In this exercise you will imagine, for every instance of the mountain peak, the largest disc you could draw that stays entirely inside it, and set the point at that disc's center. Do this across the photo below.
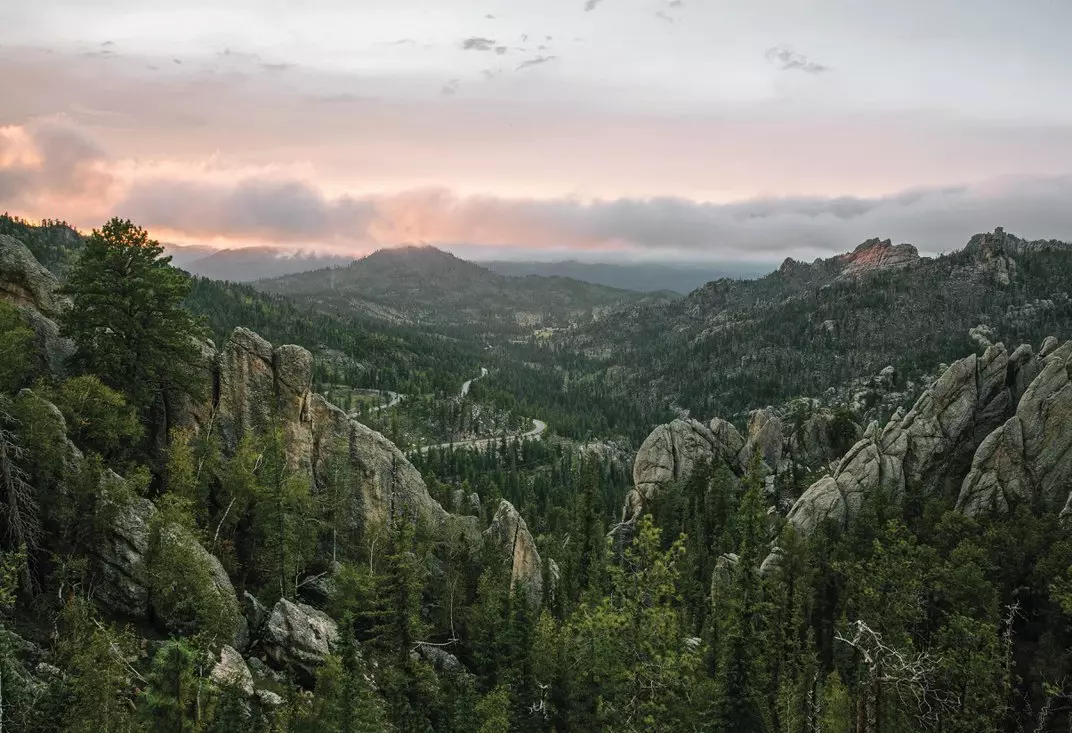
(878, 254)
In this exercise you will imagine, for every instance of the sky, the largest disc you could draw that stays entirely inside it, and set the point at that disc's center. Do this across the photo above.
(694, 130)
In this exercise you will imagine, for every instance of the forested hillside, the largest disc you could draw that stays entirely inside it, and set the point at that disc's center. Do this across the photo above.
(805, 328)
(197, 534)
(428, 286)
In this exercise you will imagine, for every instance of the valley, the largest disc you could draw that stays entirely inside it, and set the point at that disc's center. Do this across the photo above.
(814, 437)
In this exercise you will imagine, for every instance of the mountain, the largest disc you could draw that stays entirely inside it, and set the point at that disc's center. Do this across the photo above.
(424, 285)
(254, 263)
(643, 277)
(232, 550)
(809, 326)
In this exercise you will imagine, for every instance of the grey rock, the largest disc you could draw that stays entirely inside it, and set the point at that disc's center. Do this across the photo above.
(255, 612)
(722, 575)
(231, 671)
(269, 699)
(247, 397)
(441, 659)
(671, 452)
(299, 636)
(982, 336)
(877, 254)
(928, 449)
(765, 435)
(509, 533)
(28, 285)
(25, 281)
(1028, 458)
(120, 551)
(262, 671)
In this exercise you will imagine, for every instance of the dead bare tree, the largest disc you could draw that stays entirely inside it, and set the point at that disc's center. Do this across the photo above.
(18, 506)
(910, 676)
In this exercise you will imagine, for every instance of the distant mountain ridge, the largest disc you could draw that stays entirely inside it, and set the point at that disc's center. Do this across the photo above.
(642, 277)
(807, 326)
(425, 285)
(249, 263)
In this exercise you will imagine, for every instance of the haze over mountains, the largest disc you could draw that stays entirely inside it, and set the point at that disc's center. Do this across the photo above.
(428, 286)
(263, 262)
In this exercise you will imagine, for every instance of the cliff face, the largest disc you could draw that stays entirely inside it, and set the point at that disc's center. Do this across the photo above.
(256, 388)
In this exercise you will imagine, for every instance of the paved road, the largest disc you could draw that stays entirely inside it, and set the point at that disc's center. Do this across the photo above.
(468, 383)
(538, 426)
(395, 398)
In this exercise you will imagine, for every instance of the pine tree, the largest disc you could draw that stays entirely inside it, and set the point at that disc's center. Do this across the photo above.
(128, 322)
(177, 689)
(741, 704)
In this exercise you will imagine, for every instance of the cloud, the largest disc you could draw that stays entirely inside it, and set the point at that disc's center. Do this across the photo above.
(280, 211)
(478, 44)
(50, 159)
(50, 168)
(790, 60)
(591, 5)
(535, 62)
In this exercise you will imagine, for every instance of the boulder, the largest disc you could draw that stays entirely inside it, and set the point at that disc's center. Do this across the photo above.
(269, 699)
(1029, 457)
(255, 612)
(509, 533)
(299, 636)
(441, 659)
(231, 671)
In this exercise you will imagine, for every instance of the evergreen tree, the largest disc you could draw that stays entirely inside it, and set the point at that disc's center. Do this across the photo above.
(741, 704)
(127, 320)
(177, 689)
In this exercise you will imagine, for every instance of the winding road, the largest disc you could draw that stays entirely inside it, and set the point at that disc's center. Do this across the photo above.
(538, 426)
(468, 383)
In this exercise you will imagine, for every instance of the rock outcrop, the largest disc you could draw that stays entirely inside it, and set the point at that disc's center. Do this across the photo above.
(671, 452)
(1029, 458)
(765, 436)
(926, 450)
(123, 585)
(28, 285)
(299, 637)
(258, 386)
(877, 254)
(123, 574)
(26, 282)
(509, 532)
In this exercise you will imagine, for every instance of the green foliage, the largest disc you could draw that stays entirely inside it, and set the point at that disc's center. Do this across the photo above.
(127, 319)
(16, 348)
(344, 700)
(182, 577)
(95, 696)
(494, 711)
(283, 525)
(98, 418)
(177, 689)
